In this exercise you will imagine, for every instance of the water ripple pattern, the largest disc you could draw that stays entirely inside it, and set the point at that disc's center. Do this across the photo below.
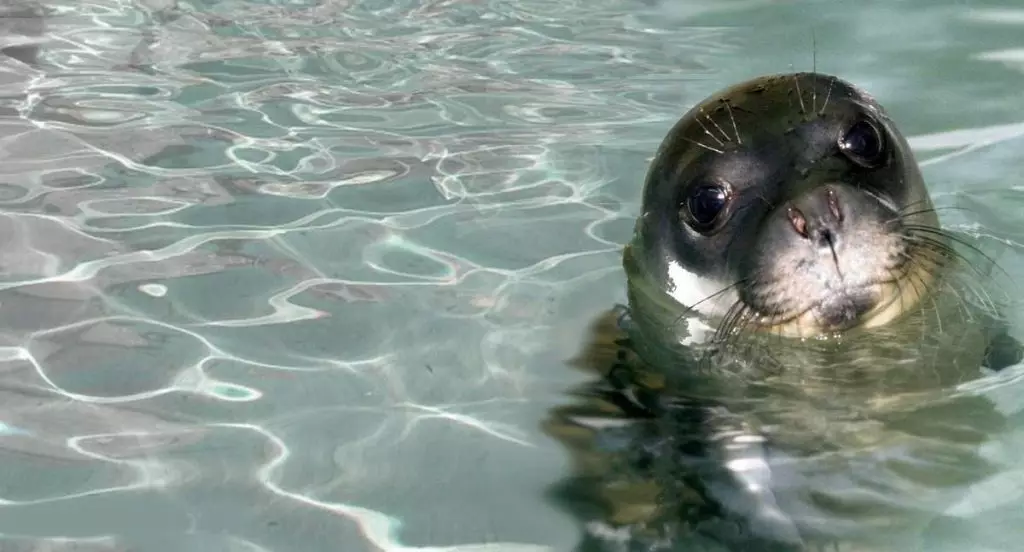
(303, 275)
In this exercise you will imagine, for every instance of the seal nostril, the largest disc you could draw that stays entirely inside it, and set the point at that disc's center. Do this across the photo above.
(825, 237)
(833, 204)
(796, 218)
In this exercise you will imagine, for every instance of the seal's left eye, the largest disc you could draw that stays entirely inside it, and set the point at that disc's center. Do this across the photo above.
(863, 144)
(705, 206)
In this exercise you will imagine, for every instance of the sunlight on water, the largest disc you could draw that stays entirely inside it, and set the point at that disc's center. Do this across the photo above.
(305, 275)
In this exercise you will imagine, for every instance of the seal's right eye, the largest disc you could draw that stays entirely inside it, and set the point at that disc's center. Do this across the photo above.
(705, 205)
(863, 144)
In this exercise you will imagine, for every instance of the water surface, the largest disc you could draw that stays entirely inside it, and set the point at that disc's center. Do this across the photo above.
(305, 275)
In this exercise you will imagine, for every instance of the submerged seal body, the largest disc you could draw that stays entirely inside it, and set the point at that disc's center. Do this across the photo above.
(787, 211)
(790, 204)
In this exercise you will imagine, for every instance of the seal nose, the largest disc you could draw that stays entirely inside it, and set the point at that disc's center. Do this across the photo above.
(818, 217)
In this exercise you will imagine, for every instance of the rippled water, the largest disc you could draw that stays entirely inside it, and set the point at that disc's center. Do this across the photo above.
(305, 275)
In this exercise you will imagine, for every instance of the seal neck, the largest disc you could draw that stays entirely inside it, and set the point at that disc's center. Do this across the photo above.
(658, 316)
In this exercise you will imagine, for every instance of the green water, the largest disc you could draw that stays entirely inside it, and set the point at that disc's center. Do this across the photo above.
(305, 275)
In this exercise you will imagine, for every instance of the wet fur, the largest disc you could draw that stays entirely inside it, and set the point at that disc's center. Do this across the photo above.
(650, 435)
(646, 446)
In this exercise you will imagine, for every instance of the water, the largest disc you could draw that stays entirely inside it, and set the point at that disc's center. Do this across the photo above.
(305, 275)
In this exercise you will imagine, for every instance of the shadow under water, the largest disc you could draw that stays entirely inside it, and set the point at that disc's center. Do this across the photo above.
(779, 444)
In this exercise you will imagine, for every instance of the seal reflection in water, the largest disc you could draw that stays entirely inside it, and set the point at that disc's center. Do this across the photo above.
(789, 372)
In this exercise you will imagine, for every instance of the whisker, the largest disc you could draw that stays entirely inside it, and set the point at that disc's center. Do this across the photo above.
(979, 292)
(930, 288)
(913, 203)
(714, 122)
(929, 250)
(962, 302)
(737, 319)
(814, 69)
(689, 309)
(903, 214)
(705, 146)
(927, 243)
(735, 128)
(723, 341)
(828, 95)
(909, 274)
(729, 320)
(707, 131)
(899, 287)
(952, 237)
(800, 95)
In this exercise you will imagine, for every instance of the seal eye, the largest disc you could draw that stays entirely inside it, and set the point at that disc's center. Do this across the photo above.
(863, 144)
(705, 205)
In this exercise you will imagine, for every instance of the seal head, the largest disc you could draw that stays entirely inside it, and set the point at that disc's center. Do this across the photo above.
(788, 203)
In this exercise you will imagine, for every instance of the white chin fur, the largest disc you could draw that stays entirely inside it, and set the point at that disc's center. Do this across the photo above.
(690, 290)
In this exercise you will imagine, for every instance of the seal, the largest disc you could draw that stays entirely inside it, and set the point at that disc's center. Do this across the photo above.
(789, 204)
(787, 211)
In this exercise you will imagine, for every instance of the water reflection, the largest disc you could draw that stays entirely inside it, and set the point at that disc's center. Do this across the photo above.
(772, 444)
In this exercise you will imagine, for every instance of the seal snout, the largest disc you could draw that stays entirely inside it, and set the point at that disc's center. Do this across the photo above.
(823, 261)
(846, 310)
(818, 217)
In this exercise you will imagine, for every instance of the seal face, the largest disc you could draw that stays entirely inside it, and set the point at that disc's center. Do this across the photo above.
(790, 204)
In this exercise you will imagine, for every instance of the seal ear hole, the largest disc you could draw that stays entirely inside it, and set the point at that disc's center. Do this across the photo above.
(705, 206)
(864, 144)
